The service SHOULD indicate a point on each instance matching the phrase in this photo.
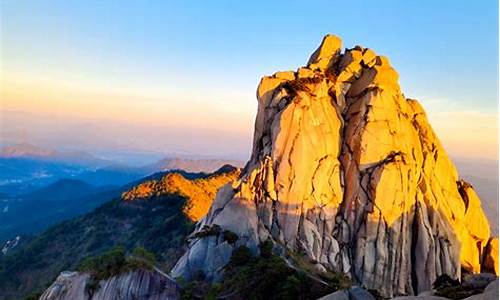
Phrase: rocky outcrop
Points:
(482, 286)
(68, 285)
(354, 293)
(490, 259)
(489, 293)
(419, 298)
(199, 193)
(347, 170)
(140, 284)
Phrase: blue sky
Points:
(214, 52)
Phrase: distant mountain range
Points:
(33, 212)
(487, 190)
(158, 220)
(27, 167)
(81, 158)
(483, 175)
(40, 187)
(191, 165)
(28, 151)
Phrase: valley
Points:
(159, 222)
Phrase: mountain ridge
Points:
(158, 222)
(34, 211)
(25, 150)
(200, 192)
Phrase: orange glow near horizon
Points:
(463, 133)
(57, 99)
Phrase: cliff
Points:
(140, 284)
(349, 172)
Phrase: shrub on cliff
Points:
(115, 262)
(266, 276)
(230, 237)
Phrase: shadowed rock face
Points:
(348, 171)
(140, 284)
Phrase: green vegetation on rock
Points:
(115, 262)
(206, 230)
(157, 224)
(471, 284)
(230, 237)
(267, 276)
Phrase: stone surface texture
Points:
(347, 170)
(136, 285)
(490, 293)
(354, 293)
(490, 259)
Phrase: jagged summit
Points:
(347, 171)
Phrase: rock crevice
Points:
(348, 171)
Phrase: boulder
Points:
(357, 293)
(338, 295)
(68, 286)
(478, 281)
(419, 298)
(354, 293)
(490, 293)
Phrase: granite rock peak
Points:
(348, 171)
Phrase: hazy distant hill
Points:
(22, 175)
(33, 152)
(191, 165)
(113, 174)
(484, 168)
(26, 167)
(483, 175)
(158, 221)
(33, 212)
(487, 189)
(120, 174)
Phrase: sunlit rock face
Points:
(348, 171)
(490, 259)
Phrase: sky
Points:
(180, 76)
